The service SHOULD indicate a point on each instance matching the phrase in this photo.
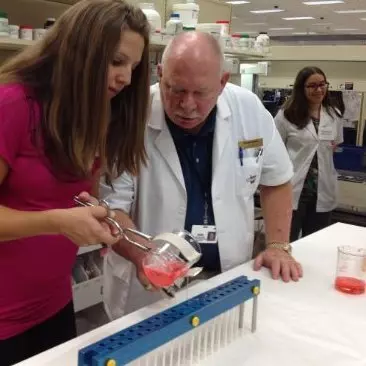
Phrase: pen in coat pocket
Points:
(241, 156)
(260, 153)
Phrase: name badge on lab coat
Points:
(204, 234)
(326, 132)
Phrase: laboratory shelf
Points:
(89, 248)
(10, 44)
(88, 293)
(158, 42)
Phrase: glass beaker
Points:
(350, 273)
(164, 264)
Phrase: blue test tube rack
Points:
(142, 338)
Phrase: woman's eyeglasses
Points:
(314, 86)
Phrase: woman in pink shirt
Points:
(80, 93)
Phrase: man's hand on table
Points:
(280, 263)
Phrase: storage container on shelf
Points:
(174, 25)
(156, 37)
(188, 13)
(4, 24)
(26, 32)
(39, 33)
(212, 28)
(152, 16)
(235, 41)
(225, 27)
(14, 31)
(244, 42)
(263, 42)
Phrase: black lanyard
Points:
(205, 186)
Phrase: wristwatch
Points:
(283, 246)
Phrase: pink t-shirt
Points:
(35, 273)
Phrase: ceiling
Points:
(331, 24)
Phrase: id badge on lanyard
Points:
(205, 234)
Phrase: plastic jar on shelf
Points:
(39, 33)
(212, 28)
(26, 32)
(188, 13)
(174, 25)
(14, 31)
(4, 24)
(225, 26)
(152, 16)
(235, 41)
(244, 42)
(263, 42)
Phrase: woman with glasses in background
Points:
(311, 129)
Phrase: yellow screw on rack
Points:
(256, 290)
(111, 362)
(195, 321)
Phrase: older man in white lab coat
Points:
(210, 144)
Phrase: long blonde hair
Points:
(67, 72)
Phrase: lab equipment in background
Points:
(87, 280)
(225, 27)
(152, 16)
(26, 32)
(184, 334)
(39, 33)
(350, 103)
(211, 28)
(225, 33)
(4, 24)
(14, 31)
(188, 13)
(174, 25)
(351, 270)
(262, 43)
(249, 75)
(273, 99)
(350, 157)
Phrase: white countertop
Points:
(307, 323)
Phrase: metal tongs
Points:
(182, 242)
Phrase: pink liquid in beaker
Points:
(350, 285)
(166, 275)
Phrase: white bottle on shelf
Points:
(152, 16)
(174, 25)
(188, 13)
(263, 42)
(4, 24)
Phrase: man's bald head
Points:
(197, 48)
(191, 78)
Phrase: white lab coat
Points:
(301, 146)
(157, 200)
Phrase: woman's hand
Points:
(83, 225)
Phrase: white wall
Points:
(282, 73)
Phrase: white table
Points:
(307, 323)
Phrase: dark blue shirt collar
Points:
(207, 129)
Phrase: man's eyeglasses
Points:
(314, 86)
